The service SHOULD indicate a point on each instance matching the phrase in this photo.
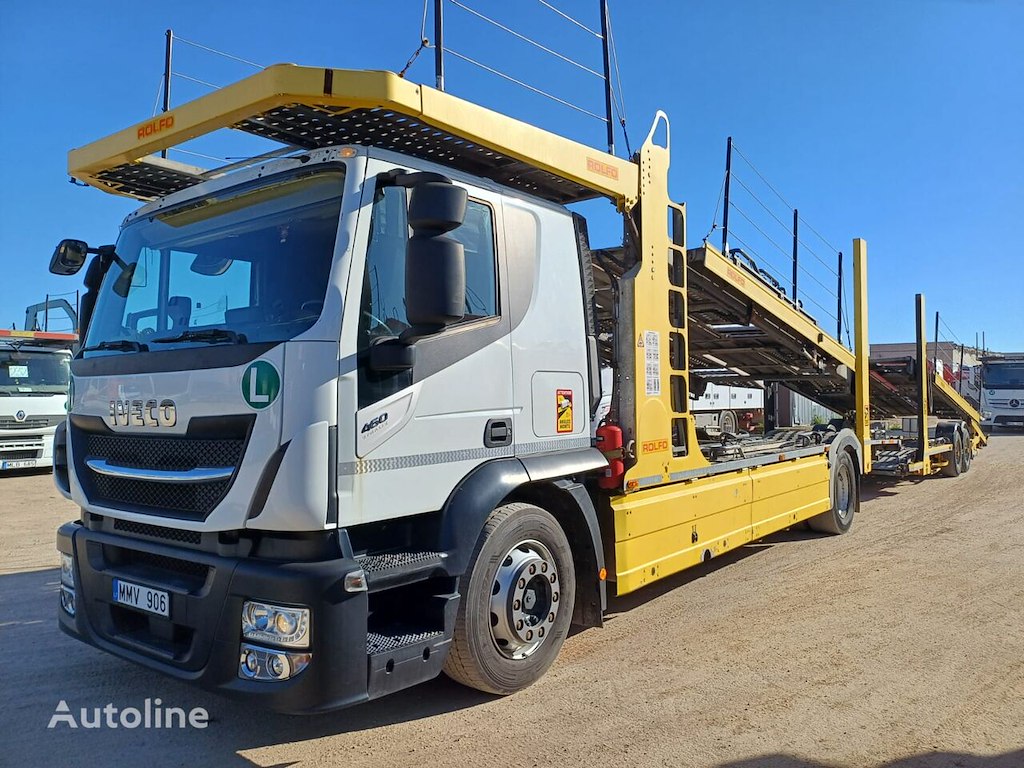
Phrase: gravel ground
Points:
(898, 644)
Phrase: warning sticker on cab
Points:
(563, 399)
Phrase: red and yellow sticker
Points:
(563, 406)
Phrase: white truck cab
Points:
(1002, 391)
(34, 375)
(228, 382)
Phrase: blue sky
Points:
(899, 121)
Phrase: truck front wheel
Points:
(517, 602)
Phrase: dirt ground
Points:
(898, 644)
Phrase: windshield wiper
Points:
(211, 335)
(124, 344)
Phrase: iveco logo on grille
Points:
(143, 413)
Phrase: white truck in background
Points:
(730, 408)
(34, 376)
(1002, 391)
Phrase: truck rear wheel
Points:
(517, 602)
(845, 498)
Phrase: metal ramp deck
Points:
(894, 388)
(744, 331)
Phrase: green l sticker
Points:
(261, 384)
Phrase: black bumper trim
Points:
(200, 642)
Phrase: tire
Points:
(955, 462)
(968, 455)
(517, 602)
(728, 422)
(845, 498)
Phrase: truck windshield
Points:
(1003, 376)
(246, 265)
(33, 373)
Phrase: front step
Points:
(393, 569)
(401, 655)
(379, 643)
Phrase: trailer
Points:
(941, 431)
(372, 455)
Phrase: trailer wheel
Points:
(517, 602)
(954, 464)
(968, 455)
(845, 498)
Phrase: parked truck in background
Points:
(34, 377)
(1002, 391)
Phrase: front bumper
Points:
(200, 642)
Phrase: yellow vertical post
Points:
(862, 350)
(922, 387)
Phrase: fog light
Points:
(67, 570)
(67, 600)
(267, 664)
(275, 624)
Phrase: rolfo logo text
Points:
(152, 714)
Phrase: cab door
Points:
(416, 433)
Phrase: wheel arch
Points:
(846, 441)
(502, 481)
(571, 506)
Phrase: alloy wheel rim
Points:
(525, 599)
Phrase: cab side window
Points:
(382, 307)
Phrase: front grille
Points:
(171, 453)
(35, 422)
(210, 442)
(158, 532)
(15, 455)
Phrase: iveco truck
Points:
(334, 417)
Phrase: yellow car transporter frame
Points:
(675, 508)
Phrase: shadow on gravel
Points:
(58, 668)
(1013, 759)
(626, 603)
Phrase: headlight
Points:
(67, 570)
(275, 624)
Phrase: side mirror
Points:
(435, 264)
(68, 257)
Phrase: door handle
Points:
(498, 433)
